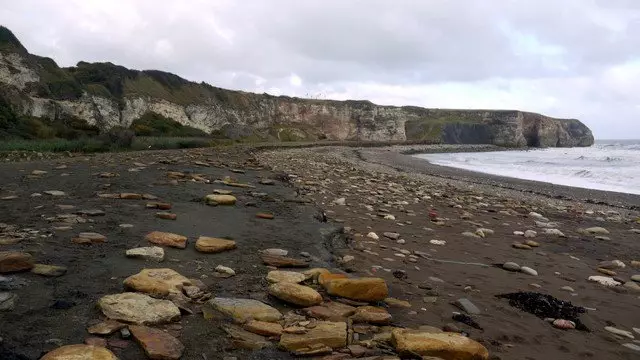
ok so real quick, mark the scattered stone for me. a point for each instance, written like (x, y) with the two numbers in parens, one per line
(212, 245)
(91, 212)
(325, 334)
(635, 278)
(532, 243)
(393, 302)
(631, 346)
(596, 231)
(11, 283)
(49, 270)
(224, 271)
(567, 288)
(157, 282)
(218, 199)
(373, 236)
(359, 289)
(467, 306)
(528, 271)
(7, 301)
(632, 286)
(277, 276)
(564, 324)
(295, 294)
(153, 253)
(275, 252)
(79, 352)
(604, 280)
(331, 311)
(138, 309)
(447, 345)
(511, 266)
(437, 242)
(55, 193)
(167, 239)
(106, 328)
(131, 196)
(11, 262)
(612, 265)
(620, 332)
(470, 234)
(157, 344)
(519, 245)
(391, 235)
(166, 215)
(607, 272)
(530, 234)
(89, 238)
(244, 339)
(263, 328)
(283, 261)
(242, 310)
(340, 201)
(518, 233)
(371, 315)
(555, 232)
(266, 216)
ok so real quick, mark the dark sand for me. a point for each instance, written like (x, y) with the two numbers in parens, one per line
(323, 175)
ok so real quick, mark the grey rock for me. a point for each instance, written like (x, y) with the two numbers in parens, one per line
(632, 346)
(619, 332)
(467, 306)
(7, 301)
(528, 271)
(55, 193)
(635, 278)
(11, 283)
(511, 266)
(154, 253)
(91, 212)
(125, 333)
(392, 235)
(275, 252)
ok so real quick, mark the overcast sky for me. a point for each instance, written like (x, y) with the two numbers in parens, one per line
(564, 58)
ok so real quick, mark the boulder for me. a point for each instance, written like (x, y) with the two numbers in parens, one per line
(295, 294)
(242, 310)
(138, 309)
(15, 262)
(167, 239)
(157, 282)
(324, 278)
(324, 334)
(157, 344)
(80, 352)
(153, 253)
(214, 245)
(448, 346)
(360, 289)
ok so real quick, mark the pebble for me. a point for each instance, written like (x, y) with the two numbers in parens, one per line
(438, 242)
(528, 271)
(467, 306)
(224, 270)
(7, 301)
(511, 266)
(530, 234)
(632, 346)
(275, 252)
(612, 265)
(392, 235)
(635, 278)
(564, 324)
(373, 236)
(567, 288)
(604, 280)
(518, 233)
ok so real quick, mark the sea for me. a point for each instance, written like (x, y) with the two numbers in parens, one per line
(609, 165)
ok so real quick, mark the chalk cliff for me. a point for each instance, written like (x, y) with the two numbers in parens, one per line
(104, 95)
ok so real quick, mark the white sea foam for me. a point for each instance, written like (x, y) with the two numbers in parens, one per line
(608, 165)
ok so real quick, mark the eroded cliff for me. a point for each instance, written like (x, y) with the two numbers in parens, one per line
(104, 95)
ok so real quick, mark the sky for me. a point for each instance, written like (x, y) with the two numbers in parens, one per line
(563, 58)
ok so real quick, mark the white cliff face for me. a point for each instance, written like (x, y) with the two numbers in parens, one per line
(14, 71)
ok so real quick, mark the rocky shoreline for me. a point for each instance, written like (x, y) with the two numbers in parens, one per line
(331, 252)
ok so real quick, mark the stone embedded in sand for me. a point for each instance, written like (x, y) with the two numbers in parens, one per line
(619, 332)
(154, 253)
(511, 266)
(138, 309)
(397, 303)
(266, 216)
(49, 270)
(635, 278)
(283, 261)
(331, 311)
(632, 286)
(604, 280)
(131, 196)
(555, 232)
(218, 199)
(91, 212)
(275, 252)
(359, 289)
(519, 245)
(391, 235)
(166, 215)
(244, 339)
(263, 328)
(612, 265)
(529, 271)
(106, 327)
(224, 271)
(532, 243)
(157, 344)
(325, 334)
(277, 276)
(448, 346)
(607, 271)
(295, 294)
(7, 301)
(467, 306)
(55, 193)
(326, 277)
(11, 261)
(530, 234)
(214, 245)
(242, 310)
(79, 352)
(158, 282)
(89, 238)
(372, 315)
(564, 324)
(373, 236)
(596, 230)
(167, 239)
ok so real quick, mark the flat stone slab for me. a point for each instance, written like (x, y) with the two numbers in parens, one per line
(242, 310)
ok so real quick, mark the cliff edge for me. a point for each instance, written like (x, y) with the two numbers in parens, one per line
(39, 99)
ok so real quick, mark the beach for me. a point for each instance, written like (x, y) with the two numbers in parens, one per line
(438, 236)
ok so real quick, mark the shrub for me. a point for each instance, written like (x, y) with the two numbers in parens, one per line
(118, 138)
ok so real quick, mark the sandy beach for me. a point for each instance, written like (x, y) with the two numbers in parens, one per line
(438, 237)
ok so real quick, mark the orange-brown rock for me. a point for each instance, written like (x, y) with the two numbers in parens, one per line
(359, 289)
(157, 344)
(446, 345)
(15, 262)
(324, 278)
(214, 245)
(167, 239)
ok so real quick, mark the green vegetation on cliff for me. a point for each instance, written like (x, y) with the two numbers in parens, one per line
(152, 124)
